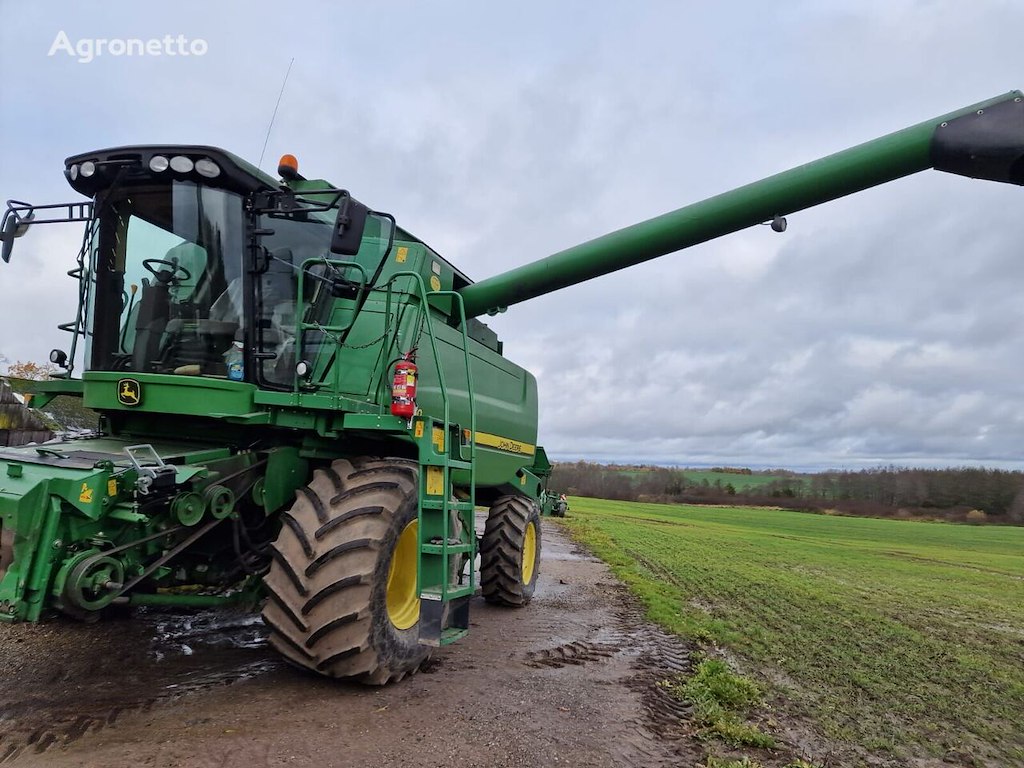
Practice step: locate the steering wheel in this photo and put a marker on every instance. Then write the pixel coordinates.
(177, 272)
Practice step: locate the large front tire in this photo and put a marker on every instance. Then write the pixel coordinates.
(510, 551)
(341, 589)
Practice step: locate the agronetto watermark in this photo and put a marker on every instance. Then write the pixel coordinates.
(88, 49)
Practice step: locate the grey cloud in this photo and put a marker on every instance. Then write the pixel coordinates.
(886, 326)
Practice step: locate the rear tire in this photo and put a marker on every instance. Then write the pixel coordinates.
(329, 606)
(510, 552)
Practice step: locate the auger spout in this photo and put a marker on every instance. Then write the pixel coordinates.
(984, 141)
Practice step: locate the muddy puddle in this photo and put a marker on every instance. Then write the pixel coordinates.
(62, 679)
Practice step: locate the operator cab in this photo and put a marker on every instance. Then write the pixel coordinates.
(197, 263)
(192, 253)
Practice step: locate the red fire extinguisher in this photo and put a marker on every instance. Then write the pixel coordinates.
(403, 387)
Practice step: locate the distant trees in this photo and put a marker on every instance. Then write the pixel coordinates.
(1016, 512)
(991, 490)
(30, 370)
(994, 495)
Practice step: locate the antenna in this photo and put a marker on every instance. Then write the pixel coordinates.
(274, 116)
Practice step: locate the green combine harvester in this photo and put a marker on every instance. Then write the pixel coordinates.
(299, 406)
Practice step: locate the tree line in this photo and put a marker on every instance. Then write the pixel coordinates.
(971, 494)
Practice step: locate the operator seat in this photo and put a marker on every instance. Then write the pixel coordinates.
(177, 338)
(154, 312)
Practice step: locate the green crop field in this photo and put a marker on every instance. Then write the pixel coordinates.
(904, 638)
(738, 481)
(741, 482)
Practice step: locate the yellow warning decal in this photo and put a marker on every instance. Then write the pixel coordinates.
(437, 438)
(111, 487)
(401, 254)
(85, 497)
(505, 444)
(435, 481)
(435, 283)
(418, 431)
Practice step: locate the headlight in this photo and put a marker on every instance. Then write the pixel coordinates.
(207, 168)
(158, 163)
(88, 169)
(181, 164)
(73, 172)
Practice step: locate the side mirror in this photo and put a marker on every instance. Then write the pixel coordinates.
(14, 225)
(349, 226)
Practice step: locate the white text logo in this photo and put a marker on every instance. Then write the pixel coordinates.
(88, 48)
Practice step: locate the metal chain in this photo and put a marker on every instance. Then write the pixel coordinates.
(367, 344)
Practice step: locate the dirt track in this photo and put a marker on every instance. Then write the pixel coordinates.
(568, 680)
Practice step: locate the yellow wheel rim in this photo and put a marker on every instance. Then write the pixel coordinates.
(529, 552)
(403, 603)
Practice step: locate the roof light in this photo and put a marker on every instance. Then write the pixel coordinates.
(181, 164)
(206, 167)
(73, 172)
(158, 163)
(288, 167)
(88, 169)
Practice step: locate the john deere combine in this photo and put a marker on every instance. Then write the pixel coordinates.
(298, 404)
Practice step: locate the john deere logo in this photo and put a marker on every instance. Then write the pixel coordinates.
(129, 392)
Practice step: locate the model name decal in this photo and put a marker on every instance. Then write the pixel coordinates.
(505, 444)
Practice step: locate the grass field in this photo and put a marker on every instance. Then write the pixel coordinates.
(902, 637)
(738, 481)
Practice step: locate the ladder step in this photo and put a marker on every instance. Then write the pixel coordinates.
(453, 549)
(443, 460)
(452, 634)
(443, 623)
(464, 506)
(455, 592)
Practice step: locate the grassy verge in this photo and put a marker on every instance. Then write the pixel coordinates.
(903, 638)
(722, 700)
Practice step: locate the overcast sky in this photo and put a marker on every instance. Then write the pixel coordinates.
(885, 327)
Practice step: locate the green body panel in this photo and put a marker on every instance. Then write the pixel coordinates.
(181, 395)
(43, 392)
(506, 403)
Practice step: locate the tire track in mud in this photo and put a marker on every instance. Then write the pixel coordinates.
(656, 656)
(576, 652)
(662, 731)
(51, 700)
(65, 728)
(621, 649)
